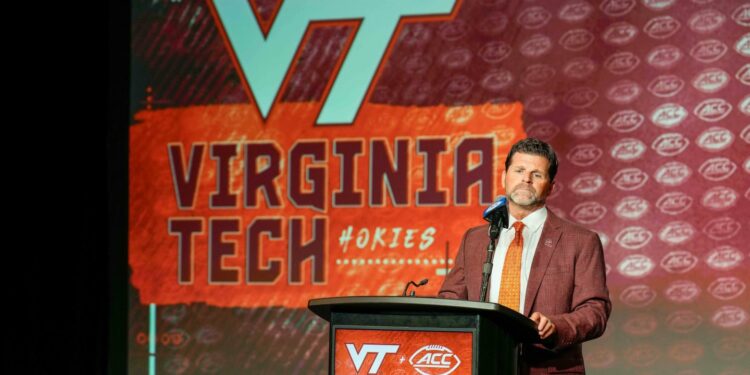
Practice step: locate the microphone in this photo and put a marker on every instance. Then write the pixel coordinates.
(497, 213)
(423, 282)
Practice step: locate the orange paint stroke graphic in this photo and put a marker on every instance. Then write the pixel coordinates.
(366, 250)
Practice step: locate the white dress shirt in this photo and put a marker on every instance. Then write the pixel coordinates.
(531, 232)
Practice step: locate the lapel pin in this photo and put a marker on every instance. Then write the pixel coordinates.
(548, 242)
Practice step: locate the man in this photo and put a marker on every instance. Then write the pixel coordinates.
(553, 272)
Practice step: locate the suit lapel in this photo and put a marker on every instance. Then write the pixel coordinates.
(545, 248)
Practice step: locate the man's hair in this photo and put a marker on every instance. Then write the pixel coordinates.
(535, 147)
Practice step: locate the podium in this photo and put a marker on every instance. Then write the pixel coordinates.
(427, 336)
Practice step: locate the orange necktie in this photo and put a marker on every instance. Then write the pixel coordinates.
(510, 282)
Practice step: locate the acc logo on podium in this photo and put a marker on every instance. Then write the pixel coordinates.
(434, 360)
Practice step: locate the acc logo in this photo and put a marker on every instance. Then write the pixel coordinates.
(683, 321)
(685, 352)
(635, 266)
(575, 12)
(579, 68)
(731, 348)
(674, 203)
(745, 105)
(497, 110)
(724, 258)
(620, 34)
(633, 238)
(717, 169)
(682, 291)
(538, 74)
(497, 79)
(581, 97)
(706, 21)
(631, 208)
(494, 52)
(630, 179)
(679, 261)
(715, 138)
(600, 358)
(622, 63)
(708, 51)
(719, 198)
(459, 114)
(642, 355)
(576, 39)
(628, 149)
(458, 86)
(661, 27)
(726, 288)
(637, 295)
(722, 228)
(454, 30)
(416, 63)
(676, 232)
(583, 126)
(711, 80)
(668, 115)
(743, 45)
(208, 335)
(585, 154)
(533, 18)
(658, 5)
(434, 360)
(587, 183)
(729, 317)
(664, 56)
(640, 325)
(456, 58)
(741, 15)
(616, 8)
(588, 212)
(540, 103)
(625, 121)
(623, 92)
(672, 173)
(493, 24)
(537, 45)
(670, 144)
(544, 130)
(416, 35)
(665, 86)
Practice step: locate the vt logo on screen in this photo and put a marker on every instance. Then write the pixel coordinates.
(264, 59)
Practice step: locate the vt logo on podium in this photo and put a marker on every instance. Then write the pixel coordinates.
(359, 357)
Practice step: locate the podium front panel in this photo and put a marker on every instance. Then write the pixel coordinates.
(403, 350)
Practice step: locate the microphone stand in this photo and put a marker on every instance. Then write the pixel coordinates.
(494, 233)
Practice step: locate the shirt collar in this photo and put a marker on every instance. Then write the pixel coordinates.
(534, 221)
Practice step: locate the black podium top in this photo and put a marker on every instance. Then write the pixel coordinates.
(522, 327)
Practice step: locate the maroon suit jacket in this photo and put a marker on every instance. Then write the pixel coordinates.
(567, 283)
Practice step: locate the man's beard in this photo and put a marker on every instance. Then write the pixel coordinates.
(525, 197)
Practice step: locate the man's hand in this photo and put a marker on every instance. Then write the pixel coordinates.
(545, 327)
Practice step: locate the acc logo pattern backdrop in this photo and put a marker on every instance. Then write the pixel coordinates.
(241, 210)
